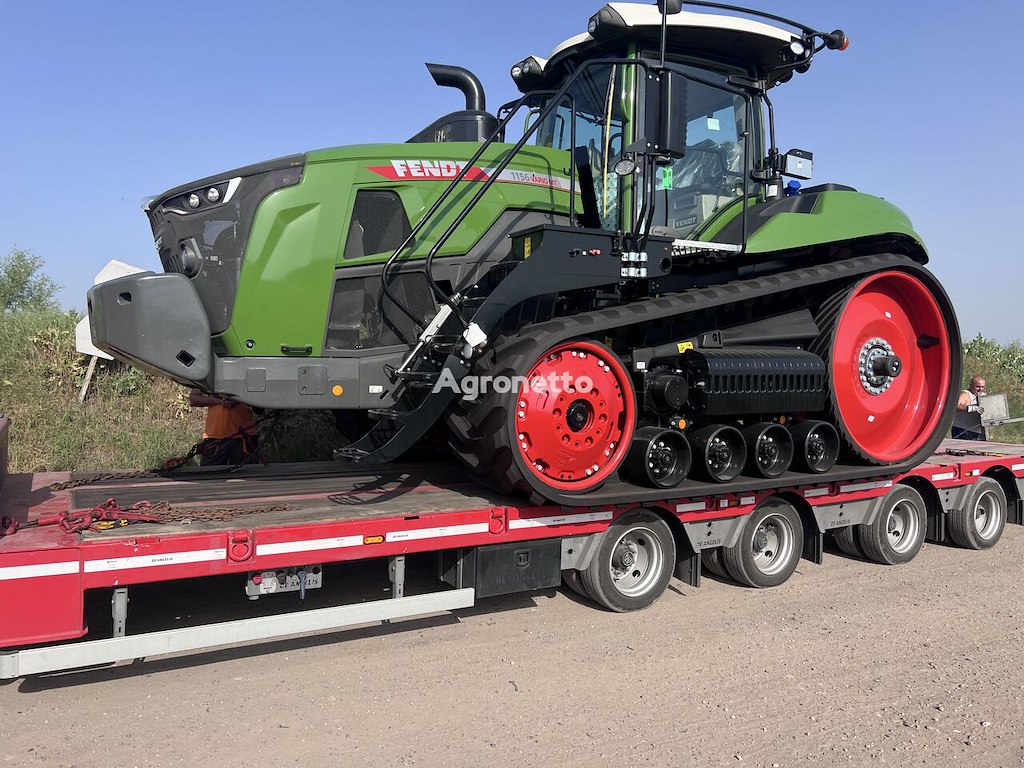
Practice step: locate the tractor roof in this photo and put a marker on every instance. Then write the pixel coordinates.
(734, 40)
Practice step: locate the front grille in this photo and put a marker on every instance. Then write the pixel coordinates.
(170, 260)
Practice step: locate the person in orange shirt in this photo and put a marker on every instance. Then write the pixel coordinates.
(229, 435)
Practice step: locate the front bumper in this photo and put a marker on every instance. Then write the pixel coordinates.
(154, 321)
(157, 322)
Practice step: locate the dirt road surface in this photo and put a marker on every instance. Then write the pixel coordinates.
(848, 663)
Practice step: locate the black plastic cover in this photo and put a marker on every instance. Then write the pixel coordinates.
(755, 380)
(464, 125)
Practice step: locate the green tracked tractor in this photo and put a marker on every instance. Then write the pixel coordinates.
(625, 301)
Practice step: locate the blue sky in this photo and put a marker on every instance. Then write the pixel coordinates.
(105, 103)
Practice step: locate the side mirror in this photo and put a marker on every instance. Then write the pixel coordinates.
(798, 164)
(666, 113)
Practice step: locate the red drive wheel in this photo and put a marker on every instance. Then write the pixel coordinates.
(574, 416)
(888, 343)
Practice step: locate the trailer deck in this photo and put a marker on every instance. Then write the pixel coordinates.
(292, 516)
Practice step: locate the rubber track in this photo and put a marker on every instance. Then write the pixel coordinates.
(479, 429)
(828, 320)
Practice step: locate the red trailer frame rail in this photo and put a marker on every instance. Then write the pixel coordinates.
(288, 519)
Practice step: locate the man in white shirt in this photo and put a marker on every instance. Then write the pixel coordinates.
(967, 422)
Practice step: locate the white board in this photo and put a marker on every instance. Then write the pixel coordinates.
(83, 336)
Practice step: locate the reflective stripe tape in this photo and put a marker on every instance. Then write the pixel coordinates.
(12, 572)
(864, 486)
(815, 492)
(693, 506)
(308, 545)
(544, 522)
(944, 476)
(1017, 467)
(153, 561)
(436, 533)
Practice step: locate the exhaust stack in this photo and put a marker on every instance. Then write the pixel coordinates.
(450, 76)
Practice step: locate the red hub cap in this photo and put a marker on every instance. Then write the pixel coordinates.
(891, 366)
(574, 416)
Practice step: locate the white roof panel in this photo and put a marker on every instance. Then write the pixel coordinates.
(637, 15)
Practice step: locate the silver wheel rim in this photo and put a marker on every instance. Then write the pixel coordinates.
(988, 513)
(772, 544)
(637, 562)
(903, 526)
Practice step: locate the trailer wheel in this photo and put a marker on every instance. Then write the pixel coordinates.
(980, 523)
(769, 547)
(712, 560)
(846, 540)
(897, 532)
(633, 564)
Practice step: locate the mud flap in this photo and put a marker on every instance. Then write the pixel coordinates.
(814, 540)
(688, 563)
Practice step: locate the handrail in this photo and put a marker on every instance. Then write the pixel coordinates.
(486, 185)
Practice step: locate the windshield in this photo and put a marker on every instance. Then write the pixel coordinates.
(600, 115)
(690, 190)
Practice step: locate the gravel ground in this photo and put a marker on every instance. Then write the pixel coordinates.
(848, 663)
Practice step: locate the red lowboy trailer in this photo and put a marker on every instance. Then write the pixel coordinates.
(276, 528)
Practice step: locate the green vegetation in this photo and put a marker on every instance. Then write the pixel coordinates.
(128, 420)
(21, 288)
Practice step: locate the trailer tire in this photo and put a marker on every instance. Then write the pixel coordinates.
(573, 580)
(769, 547)
(846, 540)
(898, 530)
(633, 563)
(980, 524)
(712, 560)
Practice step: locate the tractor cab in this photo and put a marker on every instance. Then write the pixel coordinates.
(663, 113)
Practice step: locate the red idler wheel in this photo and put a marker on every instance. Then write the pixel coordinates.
(574, 430)
(888, 346)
